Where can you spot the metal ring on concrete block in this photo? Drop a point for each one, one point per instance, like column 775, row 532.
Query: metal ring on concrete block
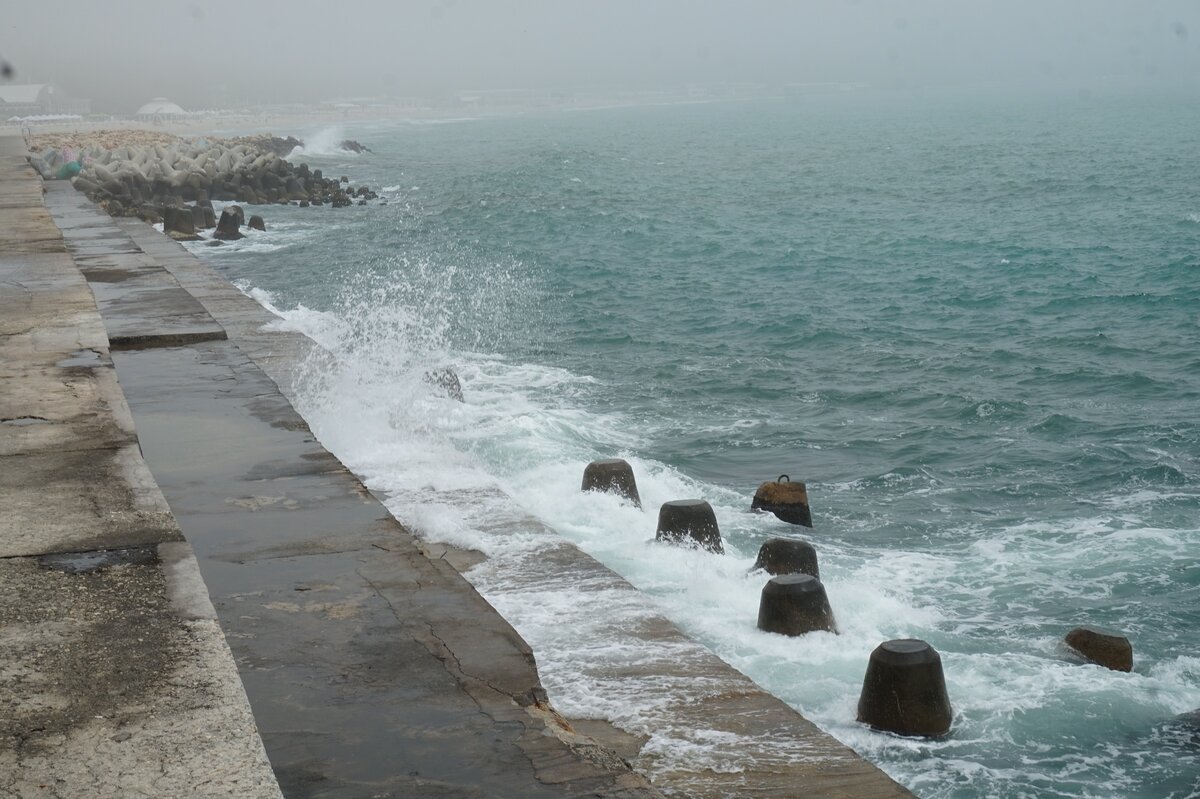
column 684, row 520
column 787, row 500
column 614, row 476
column 794, row 604
column 787, row 556
column 904, row 690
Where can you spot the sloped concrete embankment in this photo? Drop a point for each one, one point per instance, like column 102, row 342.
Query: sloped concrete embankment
column 372, row 669
column 690, row 697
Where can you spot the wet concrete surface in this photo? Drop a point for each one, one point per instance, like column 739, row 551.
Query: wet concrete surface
column 142, row 303
column 373, row 668
column 770, row 749
column 115, row 678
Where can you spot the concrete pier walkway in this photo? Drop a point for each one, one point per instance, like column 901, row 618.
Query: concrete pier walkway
column 115, row 677
column 371, row 666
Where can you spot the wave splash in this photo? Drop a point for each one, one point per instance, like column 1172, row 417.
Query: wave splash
column 325, row 142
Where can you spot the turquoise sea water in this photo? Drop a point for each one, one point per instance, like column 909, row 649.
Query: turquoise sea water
column 970, row 323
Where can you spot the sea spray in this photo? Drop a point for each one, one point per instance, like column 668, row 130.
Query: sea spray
column 994, row 453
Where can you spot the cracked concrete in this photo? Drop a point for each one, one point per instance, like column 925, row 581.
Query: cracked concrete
column 115, row 678
column 771, row 749
column 373, row 668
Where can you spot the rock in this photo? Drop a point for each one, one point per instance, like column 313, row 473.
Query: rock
column 198, row 219
column 1185, row 728
column 343, row 179
column 787, row 500
column 150, row 216
column 256, row 223
column 210, row 217
column 305, row 203
column 447, row 380
column 350, row 145
column 1104, row 648
column 228, row 225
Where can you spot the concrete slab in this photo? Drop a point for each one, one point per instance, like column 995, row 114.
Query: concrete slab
column 142, row 304
column 340, row 624
column 374, row 669
column 62, row 409
column 25, row 230
column 770, row 748
column 107, row 691
column 115, row 678
column 80, row 500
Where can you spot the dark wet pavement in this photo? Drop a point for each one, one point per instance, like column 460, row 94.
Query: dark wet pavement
column 372, row 670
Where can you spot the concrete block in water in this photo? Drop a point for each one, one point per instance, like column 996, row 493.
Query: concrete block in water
column 447, row 380
column 228, row 226
column 787, row 556
column 613, row 476
column 904, row 690
column 795, row 604
column 684, row 520
column 1102, row 647
column 787, row 500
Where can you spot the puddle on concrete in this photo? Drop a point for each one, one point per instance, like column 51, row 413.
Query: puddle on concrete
column 22, row 421
column 81, row 358
column 98, row 560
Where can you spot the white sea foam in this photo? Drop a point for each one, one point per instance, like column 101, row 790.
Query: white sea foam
column 471, row 474
column 323, row 142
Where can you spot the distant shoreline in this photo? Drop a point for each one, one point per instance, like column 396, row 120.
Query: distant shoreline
column 229, row 124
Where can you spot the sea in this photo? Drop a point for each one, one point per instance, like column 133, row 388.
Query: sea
column 968, row 321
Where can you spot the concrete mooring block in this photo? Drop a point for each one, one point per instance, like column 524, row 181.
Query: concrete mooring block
column 904, row 690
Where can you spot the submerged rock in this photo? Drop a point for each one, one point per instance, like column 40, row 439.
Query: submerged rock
column 447, row 380
column 1104, row 648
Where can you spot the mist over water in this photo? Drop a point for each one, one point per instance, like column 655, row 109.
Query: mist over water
column 969, row 323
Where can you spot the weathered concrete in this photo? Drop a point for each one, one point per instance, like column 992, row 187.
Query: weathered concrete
column 689, row 694
column 142, row 303
column 115, row 678
column 372, row 669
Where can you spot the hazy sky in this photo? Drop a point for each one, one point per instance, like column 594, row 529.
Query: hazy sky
column 202, row 54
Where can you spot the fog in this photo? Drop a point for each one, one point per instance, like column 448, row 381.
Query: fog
column 220, row 53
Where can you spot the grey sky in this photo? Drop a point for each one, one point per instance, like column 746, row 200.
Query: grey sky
column 207, row 53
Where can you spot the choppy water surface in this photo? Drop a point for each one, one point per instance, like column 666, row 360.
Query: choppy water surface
column 969, row 323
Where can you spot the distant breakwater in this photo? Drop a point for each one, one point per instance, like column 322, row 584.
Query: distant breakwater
column 143, row 179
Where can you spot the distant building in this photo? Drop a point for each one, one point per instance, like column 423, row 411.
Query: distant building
column 36, row 99
column 160, row 110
